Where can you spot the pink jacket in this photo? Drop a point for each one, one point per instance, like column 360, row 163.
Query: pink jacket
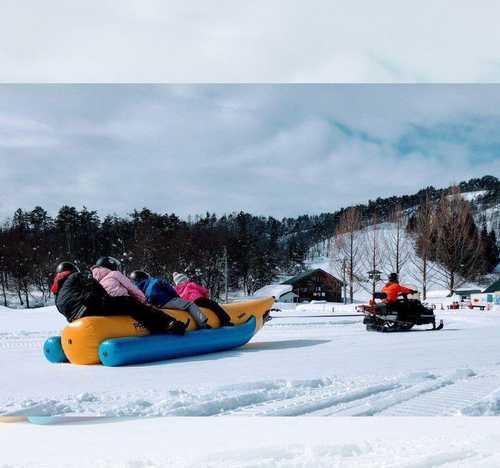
column 117, row 284
column 190, row 291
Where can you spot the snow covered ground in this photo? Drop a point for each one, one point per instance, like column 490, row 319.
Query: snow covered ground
column 306, row 362
column 256, row 443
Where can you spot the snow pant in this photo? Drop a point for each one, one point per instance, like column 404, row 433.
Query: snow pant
column 153, row 319
column 199, row 317
column 222, row 315
column 404, row 310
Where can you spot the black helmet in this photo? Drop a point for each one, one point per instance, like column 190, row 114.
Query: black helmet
column 109, row 262
column 393, row 277
column 66, row 266
column 138, row 275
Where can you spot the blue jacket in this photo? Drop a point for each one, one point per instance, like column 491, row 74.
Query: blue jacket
column 157, row 291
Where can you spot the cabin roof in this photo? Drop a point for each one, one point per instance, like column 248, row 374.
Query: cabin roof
column 305, row 274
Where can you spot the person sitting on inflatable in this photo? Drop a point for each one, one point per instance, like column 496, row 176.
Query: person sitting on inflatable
column 78, row 294
column 191, row 291
column 160, row 293
column 107, row 271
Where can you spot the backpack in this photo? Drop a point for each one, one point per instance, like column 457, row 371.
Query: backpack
column 79, row 293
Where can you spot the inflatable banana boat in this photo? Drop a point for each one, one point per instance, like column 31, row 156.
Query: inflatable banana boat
column 121, row 340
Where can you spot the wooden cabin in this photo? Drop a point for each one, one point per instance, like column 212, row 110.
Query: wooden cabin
column 316, row 285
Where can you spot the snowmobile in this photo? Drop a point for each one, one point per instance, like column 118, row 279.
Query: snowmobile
column 399, row 316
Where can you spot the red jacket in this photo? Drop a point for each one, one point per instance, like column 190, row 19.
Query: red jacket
column 393, row 290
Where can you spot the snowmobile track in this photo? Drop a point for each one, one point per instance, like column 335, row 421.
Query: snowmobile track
column 421, row 393
column 24, row 340
column 409, row 396
column 447, row 401
column 239, row 399
column 439, row 396
column 314, row 401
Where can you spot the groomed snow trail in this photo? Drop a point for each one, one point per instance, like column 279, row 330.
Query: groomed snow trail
column 298, row 365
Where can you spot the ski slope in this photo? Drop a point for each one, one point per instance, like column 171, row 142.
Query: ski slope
column 303, row 363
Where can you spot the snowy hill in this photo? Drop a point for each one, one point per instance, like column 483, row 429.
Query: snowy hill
column 472, row 196
column 409, row 274
column 484, row 198
column 319, row 257
column 492, row 218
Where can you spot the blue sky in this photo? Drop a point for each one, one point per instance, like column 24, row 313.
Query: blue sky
column 278, row 150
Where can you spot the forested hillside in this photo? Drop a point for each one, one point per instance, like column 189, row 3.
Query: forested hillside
column 256, row 248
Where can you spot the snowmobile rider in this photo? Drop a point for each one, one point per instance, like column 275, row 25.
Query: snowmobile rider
column 191, row 291
column 393, row 289
column 78, row 294
column 161, row 293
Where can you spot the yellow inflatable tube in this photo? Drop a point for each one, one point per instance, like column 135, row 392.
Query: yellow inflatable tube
column 81, row 339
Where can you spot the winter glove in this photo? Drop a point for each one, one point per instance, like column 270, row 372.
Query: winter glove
column 177, row 327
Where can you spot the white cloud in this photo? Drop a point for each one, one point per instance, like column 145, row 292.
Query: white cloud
column 278, row 150
column 258, row 41
column 16, row 132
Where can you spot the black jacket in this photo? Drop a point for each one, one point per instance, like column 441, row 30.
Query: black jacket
column 79, row 293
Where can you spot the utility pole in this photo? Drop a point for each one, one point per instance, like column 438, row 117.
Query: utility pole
column 225, row 274
column 344, row 285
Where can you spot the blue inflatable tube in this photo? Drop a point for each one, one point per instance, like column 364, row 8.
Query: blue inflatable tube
column 53, row 351
column 140, row 349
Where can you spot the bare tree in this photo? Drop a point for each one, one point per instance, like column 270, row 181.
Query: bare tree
column 396, row 245
column 456, row 246
column 4, row 277
column 422, row 232
column 4, row 285
column 346, row 249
